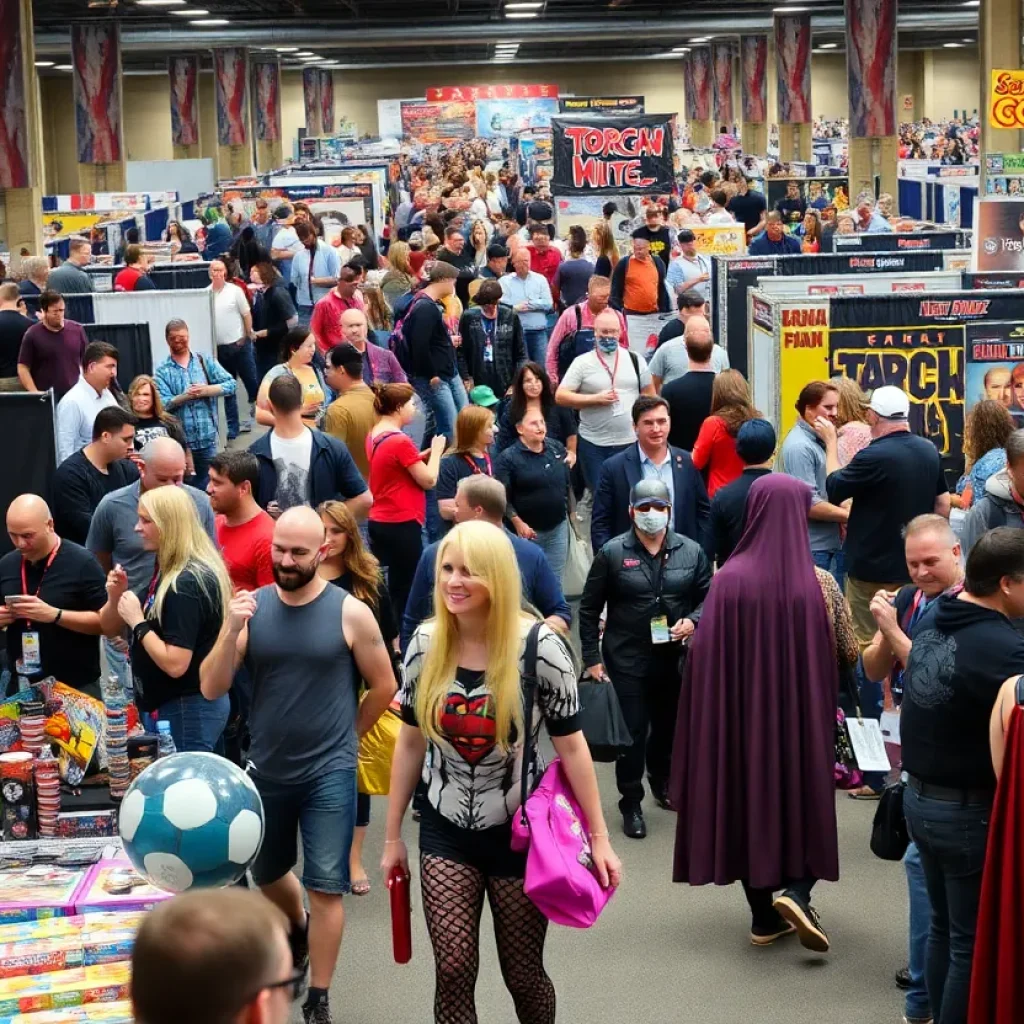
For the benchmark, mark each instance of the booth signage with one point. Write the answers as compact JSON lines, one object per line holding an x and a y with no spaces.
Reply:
{"x":1006,"y":99}
{"x":613,"y":104}
{"x":469,"y":93}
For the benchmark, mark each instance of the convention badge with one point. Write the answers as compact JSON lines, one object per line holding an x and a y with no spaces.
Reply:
{"x":31,"y":660}
{"x":617,"y":409}
{"x":659,"y":630}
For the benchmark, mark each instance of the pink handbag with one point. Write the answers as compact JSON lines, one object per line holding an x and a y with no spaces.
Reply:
{"x":550,"y":826}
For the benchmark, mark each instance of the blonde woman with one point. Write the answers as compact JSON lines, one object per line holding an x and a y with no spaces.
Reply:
{"x":479,"y":239}
{"x":401,"y":278}
{"x":605,"y":247}
{"x":174,"y":619}
{"x":852,"y":420}
{"x":463,"y":701}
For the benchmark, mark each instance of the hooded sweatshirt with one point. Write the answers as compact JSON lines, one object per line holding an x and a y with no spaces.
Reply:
{"x":958,"y":662}
{"x":996,"y":508}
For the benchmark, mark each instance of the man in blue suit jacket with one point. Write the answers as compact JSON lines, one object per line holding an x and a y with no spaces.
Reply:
{"x":483,"y":497}
{"x":651,"y":456}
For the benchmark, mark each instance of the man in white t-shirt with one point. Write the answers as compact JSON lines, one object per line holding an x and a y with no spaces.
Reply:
{"x":603,"y":385}
{"x":232,"y":324}
{"x":689,"y":271}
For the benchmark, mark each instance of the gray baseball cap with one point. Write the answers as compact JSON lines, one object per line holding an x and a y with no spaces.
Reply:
{"x":649,"y":492}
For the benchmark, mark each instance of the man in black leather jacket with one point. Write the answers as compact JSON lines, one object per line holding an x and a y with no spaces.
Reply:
{"x":654,"y":582}
{"x":492,"y":346}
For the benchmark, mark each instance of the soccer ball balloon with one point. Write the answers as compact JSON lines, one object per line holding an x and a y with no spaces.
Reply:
{"x":191,"y":820}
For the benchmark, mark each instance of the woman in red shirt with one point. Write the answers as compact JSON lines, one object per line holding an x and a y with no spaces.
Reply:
{"x":714,"y":451}
{"x":399,"y":480}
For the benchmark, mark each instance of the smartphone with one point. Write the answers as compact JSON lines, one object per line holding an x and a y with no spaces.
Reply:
{"x":13,"y":599}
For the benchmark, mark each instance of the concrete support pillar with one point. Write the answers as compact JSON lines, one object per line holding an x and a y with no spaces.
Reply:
{"x":96,"y":79}
{"x":21,"y":161}
{"x":231,"y":85}
{"x":999,"y":48}
{"x":871,"y":78}
{"x":793,"y":77}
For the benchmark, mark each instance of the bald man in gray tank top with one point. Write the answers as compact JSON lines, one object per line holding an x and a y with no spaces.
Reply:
{"x":305,"y":723}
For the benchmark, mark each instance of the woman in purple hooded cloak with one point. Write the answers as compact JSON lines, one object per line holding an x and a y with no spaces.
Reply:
{"x":752,"y":771}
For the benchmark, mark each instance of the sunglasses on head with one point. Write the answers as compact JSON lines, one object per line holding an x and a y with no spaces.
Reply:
{"x":296,"y":983}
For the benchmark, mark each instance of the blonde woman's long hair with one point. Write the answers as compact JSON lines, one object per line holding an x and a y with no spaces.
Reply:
{"x":488,"y":556}
{"x":183,"y":545}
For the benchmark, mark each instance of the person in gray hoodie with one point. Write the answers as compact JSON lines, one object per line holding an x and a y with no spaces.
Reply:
{"x":1002,"y":504}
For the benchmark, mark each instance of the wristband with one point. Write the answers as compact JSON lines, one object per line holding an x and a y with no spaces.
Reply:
{"x":142,"y":629}
{"x":60,"y":612}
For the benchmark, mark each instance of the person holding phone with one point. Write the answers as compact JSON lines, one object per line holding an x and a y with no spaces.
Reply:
{"x":53,"y":590}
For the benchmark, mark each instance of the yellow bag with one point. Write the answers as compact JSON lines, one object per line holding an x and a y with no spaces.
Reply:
{"x":376,"y":749}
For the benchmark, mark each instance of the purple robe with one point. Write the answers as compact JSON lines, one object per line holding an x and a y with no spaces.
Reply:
{"x":755,"y":735}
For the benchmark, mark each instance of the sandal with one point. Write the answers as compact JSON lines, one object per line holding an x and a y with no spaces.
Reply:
{"x":361,"y":887}
{"x":864,"y":793}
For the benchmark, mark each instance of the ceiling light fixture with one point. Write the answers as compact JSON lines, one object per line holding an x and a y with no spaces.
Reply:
{"x":701,"y":39}
{"x":828,"y":46}
{"x":680,"y":49}
{"x":522,"y":14}
{"x":952,"y":46}
{"x":286,"y":49}
{"x":190,"y":12}
{"x":159,"y":3}
{"x":533,"y":6}
{"x":44,"y":63}
{"x":63,"y":67}
{"x":789,"y":10}
{"x":973,"y":3}
{"x":210,"y":21}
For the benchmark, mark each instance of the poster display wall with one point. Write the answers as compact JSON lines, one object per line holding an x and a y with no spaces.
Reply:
{"x":628,"y":153}
{"x":451,"y":121}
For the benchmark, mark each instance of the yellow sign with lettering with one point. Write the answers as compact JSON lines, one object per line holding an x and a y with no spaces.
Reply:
{"x":1006,"y":99}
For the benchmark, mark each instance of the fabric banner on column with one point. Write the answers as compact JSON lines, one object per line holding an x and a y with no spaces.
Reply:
{"x":14,"y":159}
{"x":871,"y":67}
{"x":231,"y":87}
{"x":96,"y":73}
{"x":793,"y":61}
{"x":754,"y":78}
{"x":327,"y":102}
{"x":697,"y":82}
{"x":721,"y":60}
{"x":311,"y":99}
{"x":184,"y":74}
{"x":266,"y":99}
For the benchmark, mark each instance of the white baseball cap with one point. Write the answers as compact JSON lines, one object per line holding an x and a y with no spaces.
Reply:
{"x":890,"y":403}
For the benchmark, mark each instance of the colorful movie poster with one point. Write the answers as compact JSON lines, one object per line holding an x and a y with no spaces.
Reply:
{"x":438,"y":122}
{"x":266,"y":99}
{"x":184,"y":75}
{"x":871,"y":67}
{"x":754,"y":78}
{"x":720,"y":239}
{"x":995,"y":365}
{"x":311,"y":100}
{"x":502,"y":118}
{"x":14,"y":158}
{"x":231,"y":87}
{"x":793,"y":64}
{"x":998,"y":239}
{"x":327,"y":121}
{"x":721,"y":62}
{"x":96,"y":75}
{"x":697,"y":83}
{"x":604,"y":155}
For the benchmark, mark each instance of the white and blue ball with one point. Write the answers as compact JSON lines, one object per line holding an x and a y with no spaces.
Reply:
{"x":190,"y":821}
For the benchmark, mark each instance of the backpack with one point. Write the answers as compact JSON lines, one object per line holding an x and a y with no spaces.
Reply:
{"x":397,"y":341}
{"x":574,"y":344}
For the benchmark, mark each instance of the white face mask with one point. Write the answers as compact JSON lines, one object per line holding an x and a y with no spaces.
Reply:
{"x":651,"y":522}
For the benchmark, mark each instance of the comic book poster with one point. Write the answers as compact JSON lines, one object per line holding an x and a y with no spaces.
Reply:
{"x":448,"y":121}
{"x":995,"y":365}
{"x":96,"y":78}
{"x":500,"y":118}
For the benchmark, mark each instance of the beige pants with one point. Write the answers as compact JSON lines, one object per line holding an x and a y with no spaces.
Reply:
{"x":859,"y":595}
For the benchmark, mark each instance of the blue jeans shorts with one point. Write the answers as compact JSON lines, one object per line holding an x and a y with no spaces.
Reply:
{"x":324,"y":811}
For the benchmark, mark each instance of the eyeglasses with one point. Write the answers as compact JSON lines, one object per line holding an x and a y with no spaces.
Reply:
{"x":297,"y":983}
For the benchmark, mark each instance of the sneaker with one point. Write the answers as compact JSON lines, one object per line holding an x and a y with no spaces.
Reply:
{"x":761,"y":935}
{"x":917,"y":1020}
{"x":318,"y":1013}
{"x":903,"y":980}
{"x":245,"y":427}
{"x":804,"y":918}
{"x":299,"y":942}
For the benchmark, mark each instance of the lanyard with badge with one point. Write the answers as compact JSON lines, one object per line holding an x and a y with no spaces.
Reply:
{"x":151,"y":592}
{"x":612,"y":371}
{"x":476,"y":468}
{"x":490,"y":332}
{"x":659,"y":623}
{"x":30,"y":661}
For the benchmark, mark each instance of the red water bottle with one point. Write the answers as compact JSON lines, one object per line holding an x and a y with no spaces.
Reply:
{"x":401,"y":914}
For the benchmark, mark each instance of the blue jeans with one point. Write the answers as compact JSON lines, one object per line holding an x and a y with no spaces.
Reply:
{"x":536,"y":345}
{"x":196,"y":723}
{"x":592,"y":457}
{"x":917,"y":1005}
{"x":201,"y":458}
{"x":445,"y":401}
{"x":833,"y":562}
{"x":305,"y":314}
{"x":239,"y":360}
{"x":951,"y":838}
{"x":118,"y":664}
{"x":555,"y":545}
{"x":324,"y":811}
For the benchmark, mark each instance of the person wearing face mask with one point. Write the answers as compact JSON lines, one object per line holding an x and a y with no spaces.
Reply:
{"x":653,"y":581}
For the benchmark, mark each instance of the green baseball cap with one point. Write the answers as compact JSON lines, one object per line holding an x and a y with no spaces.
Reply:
{"x":483,"y":395}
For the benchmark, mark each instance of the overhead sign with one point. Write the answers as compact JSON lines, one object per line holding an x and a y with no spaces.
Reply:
{"x":612,"y":104}
{"x":1006,"y":99}
{"x":469,"y":93}
{"x":629,"y":153}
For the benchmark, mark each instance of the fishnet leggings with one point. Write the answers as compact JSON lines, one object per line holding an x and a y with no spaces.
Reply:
{"x":453,"y":897}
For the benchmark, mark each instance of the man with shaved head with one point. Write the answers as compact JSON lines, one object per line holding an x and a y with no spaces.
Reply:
{"x":305,"y":724}
{"x":689,"y":396}
{"x":603,"y":384}
{"x":380,"y":366}
{"x":53,"y":591}
{"x":112,"y":537}
{"x":671,"y":360}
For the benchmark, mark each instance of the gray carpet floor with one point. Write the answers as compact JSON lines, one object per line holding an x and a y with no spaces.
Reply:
{"x":661,"y":953}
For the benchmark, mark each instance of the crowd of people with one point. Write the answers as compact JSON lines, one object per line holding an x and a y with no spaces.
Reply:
{"x":415,"y":511}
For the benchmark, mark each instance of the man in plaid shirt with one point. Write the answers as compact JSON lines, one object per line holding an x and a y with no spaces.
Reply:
{"x":189,"y":386}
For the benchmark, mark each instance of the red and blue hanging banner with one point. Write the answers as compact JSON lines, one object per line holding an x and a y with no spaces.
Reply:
{"x":231,"y":81}
{"x":871,"y":67}
{"x":793,"y":66}
{"x":183,"y":71}
{"x":96,"y":79}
